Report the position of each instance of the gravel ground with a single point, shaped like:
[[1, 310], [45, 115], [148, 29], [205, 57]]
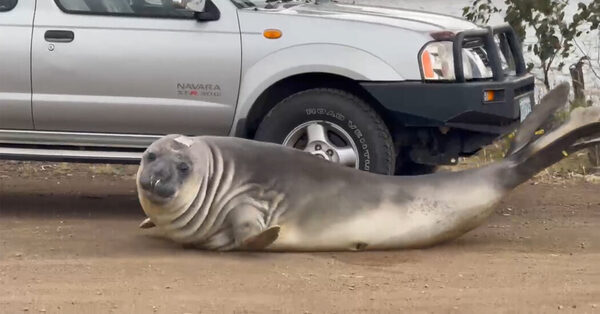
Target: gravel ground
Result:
[[69, 243]]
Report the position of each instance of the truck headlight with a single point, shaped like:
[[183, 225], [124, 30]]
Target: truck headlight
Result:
[[437, 63]]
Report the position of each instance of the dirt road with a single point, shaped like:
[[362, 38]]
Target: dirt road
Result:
[[69, 243]]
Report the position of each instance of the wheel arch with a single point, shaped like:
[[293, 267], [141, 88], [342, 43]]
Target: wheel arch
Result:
[[288, 86], [308, 65]]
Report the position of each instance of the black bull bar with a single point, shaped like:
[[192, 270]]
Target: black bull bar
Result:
[[510, 46]]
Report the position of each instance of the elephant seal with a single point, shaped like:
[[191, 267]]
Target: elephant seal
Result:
[[224, 193]]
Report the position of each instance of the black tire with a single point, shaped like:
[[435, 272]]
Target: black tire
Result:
[[366, 128]]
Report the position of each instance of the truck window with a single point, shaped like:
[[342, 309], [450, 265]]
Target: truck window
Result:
[[139, 8], [7, 5]]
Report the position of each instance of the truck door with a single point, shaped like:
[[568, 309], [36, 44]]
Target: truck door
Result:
[[16, 20], [134, 66]]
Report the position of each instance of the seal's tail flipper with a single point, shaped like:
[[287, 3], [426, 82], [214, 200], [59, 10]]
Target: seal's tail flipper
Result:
[[585, 144], [573, 135], [540, 116]]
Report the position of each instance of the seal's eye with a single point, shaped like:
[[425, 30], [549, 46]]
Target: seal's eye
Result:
[[183, 167], [151, 157]]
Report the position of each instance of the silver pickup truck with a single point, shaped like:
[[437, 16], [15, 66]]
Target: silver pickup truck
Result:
[[383, 90]]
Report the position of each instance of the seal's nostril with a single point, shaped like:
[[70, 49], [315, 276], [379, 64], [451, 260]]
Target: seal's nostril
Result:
[[145, 183], [162, 173]]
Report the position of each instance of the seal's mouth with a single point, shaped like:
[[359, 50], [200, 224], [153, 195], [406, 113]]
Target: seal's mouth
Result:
[[158, 190], [156, 198]]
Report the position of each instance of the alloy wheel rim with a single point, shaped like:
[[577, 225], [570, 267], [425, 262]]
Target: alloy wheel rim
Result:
[[325, 140]]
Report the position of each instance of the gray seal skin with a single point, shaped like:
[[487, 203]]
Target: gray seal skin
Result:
[[224, 193]]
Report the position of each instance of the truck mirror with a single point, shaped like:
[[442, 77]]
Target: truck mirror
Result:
[[195, 5], [209, 12]]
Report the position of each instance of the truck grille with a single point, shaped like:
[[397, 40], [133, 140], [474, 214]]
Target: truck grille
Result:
[[482, 54]]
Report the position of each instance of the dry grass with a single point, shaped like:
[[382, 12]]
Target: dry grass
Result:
[[45, 170]]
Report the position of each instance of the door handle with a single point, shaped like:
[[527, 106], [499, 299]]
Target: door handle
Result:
[[59, 36]]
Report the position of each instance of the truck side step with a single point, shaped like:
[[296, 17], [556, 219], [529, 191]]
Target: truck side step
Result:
[[69, 155]]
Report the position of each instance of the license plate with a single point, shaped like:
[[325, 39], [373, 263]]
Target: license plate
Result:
[[525, 104]]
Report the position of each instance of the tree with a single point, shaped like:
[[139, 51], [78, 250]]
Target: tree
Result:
[[555, 36], [554, 33], [480, 11]]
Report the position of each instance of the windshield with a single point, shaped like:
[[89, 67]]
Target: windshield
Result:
[[266, 4]]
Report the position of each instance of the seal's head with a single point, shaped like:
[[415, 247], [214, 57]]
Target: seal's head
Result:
[[165, 170]]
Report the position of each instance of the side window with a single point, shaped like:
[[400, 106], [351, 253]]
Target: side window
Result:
[[7, 5], [140, 8]]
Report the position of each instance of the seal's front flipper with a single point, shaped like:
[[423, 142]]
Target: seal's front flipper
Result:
[[146, 224], [249, 230], [261, 240]]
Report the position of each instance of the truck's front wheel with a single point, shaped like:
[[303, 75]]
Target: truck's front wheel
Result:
[[334, 125]]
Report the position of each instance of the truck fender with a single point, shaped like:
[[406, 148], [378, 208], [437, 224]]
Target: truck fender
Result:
[[346, 61]]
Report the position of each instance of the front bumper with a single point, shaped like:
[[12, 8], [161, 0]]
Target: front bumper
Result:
[[460, 104], [455, 105]]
